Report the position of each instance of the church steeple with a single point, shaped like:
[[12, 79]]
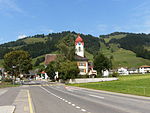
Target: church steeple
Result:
[[79, 46]]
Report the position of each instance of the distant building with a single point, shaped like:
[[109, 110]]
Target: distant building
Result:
[[123, 71], [144, 69], [105, 73], [133, 71]]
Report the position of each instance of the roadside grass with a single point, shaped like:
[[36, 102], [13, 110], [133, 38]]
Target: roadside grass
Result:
[[8, 84], [132, 84]]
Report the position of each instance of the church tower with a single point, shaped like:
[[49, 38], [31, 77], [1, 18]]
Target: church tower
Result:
[[79, 46]]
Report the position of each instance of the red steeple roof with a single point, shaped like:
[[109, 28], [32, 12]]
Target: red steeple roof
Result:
[[79, 39]]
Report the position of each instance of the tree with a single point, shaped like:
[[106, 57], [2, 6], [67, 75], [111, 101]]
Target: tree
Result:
[[68, 70], [17, 62], [66, 47], [51, 69], [102, 63]]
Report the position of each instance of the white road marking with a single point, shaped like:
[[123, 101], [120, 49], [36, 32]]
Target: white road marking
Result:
[[83, 110], [3, 91], [66, 101], [96, 96], [77, 107], [73, 105], [69, 102]]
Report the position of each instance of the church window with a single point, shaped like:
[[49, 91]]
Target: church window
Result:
[[79, 49]]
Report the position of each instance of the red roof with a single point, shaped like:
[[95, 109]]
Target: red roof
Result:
[[43, 72], [145, 66], [79, 39]]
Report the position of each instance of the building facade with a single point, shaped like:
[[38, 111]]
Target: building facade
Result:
[[144, 69]]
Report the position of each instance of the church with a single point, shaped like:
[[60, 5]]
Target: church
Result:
[[84, 66]]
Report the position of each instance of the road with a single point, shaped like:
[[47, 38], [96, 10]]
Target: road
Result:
[[58, 98]]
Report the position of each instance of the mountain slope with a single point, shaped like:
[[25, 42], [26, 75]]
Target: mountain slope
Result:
[[119, 46]]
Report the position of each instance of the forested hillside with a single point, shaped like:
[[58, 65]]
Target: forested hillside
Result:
[[125, 49], [42, 44]]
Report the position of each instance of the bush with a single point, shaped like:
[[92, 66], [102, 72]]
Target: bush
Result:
[[7, 80], [115, 74]]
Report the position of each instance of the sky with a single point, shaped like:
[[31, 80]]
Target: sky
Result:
[[21, 18]]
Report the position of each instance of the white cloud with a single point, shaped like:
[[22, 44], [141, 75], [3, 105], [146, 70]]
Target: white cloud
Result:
[[21, 36]]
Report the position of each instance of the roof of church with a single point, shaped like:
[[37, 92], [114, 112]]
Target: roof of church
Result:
[[79, 39], [79, 58]]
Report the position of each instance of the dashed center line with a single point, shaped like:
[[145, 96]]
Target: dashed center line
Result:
[[77, 107], [83, 110], [73, 105]]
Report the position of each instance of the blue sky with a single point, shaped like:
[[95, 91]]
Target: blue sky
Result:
[[19, 18]]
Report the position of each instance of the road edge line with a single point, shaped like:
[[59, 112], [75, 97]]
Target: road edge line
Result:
[[30, 102]]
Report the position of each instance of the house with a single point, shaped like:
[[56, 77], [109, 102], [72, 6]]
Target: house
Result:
[[82, 63], [133, 71], [144, 69], [123, 71], [105, 73]]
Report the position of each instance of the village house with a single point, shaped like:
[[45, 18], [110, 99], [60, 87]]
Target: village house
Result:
[[123, 71], [133, 71], [144, 69]]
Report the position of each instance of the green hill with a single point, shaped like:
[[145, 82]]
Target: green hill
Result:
[[123, 58], [125, 49]]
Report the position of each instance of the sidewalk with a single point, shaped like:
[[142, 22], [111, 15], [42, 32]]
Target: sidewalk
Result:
[[23, 102], [7, 109]]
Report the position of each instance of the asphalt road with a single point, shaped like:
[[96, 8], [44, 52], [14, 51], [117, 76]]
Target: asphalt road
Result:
[[57, 98]]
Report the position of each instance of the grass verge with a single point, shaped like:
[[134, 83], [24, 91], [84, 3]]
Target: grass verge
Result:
[[133, 84], [7, 84]]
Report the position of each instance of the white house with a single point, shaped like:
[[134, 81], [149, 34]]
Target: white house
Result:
[[105, 73], [123, 71], [144, 69], [133, 71]]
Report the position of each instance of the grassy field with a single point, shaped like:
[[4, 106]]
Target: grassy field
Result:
[[133, 84], [114, 37], [34, 40], [122, 57]]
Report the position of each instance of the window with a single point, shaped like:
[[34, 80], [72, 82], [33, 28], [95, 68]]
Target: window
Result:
[[79, 49], [82, 64], [81, 70]]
